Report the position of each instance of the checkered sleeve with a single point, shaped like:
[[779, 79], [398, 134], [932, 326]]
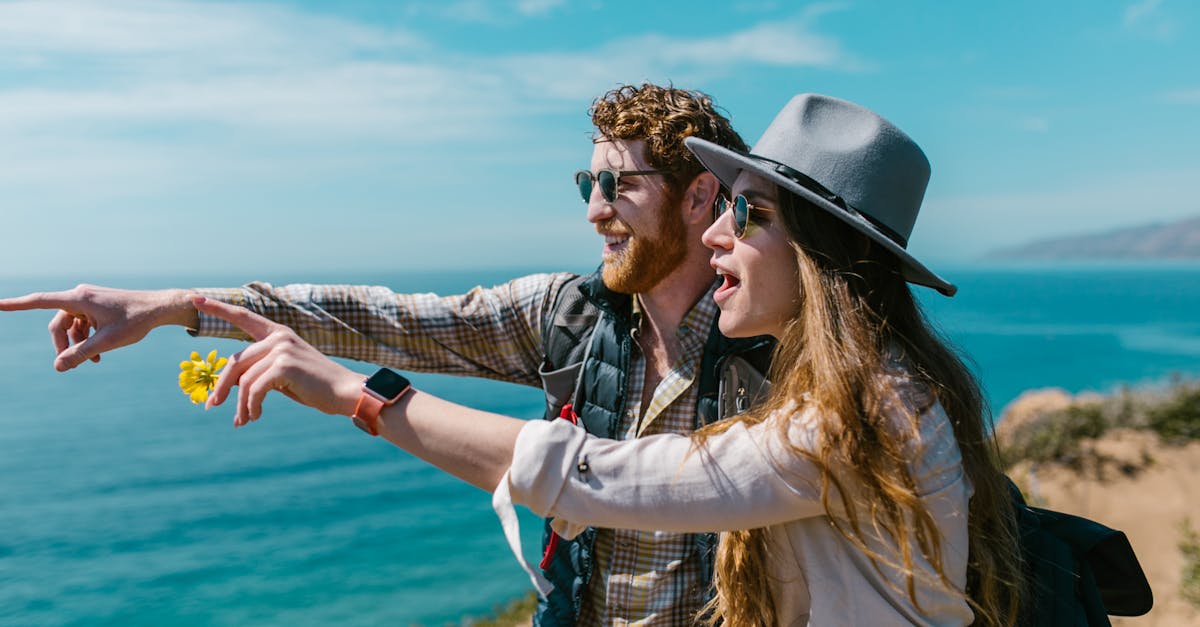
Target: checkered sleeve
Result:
[[493, 332]]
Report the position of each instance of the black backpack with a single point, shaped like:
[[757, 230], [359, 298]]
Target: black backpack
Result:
[[1079, 571]]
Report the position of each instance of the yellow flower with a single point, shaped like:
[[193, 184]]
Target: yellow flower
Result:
[[198, 376]]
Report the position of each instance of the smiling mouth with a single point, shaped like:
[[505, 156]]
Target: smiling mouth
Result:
[[614, 244]]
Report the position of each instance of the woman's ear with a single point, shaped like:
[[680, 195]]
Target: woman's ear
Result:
[[699, 198]]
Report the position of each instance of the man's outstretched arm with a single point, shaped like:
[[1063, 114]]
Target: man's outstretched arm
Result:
[[92, 320], [488, 332], [493, 332]]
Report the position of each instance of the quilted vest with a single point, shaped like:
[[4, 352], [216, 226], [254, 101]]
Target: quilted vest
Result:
[[588, 337]]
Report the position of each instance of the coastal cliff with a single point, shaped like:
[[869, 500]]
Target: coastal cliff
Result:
[[1176, 240]]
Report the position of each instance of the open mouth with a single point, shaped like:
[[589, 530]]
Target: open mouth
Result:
[[729, 284]]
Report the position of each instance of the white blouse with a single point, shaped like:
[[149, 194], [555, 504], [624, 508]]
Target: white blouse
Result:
[[745, 478]]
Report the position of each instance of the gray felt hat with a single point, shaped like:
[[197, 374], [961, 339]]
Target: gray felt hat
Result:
[[845, 159]]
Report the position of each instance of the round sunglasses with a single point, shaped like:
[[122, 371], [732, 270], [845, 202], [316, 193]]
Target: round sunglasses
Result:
[[608, 180], [741, 212]]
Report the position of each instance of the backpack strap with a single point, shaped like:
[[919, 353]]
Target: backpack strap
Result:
[[733, 375], [567, 327]]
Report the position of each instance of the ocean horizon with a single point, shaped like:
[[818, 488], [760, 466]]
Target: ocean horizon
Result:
[[121, 503]]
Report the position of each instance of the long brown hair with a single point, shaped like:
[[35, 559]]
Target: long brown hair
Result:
[[855, 312]]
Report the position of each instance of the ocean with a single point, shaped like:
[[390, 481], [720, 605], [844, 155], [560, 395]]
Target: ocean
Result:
[[121, 503]]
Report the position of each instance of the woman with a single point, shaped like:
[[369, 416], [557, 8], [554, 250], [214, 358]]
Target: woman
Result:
[[864, 491]]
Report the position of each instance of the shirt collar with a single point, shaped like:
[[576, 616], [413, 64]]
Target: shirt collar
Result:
[[696, 322]]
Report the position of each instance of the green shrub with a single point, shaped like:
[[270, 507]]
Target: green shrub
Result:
[[1177, 419], [514, 613], [1189, 546], [1058, 436]]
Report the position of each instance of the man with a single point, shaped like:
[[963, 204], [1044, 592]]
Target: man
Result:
[[634, 348]]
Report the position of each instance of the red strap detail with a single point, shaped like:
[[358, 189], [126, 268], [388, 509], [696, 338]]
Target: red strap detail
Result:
[[567, 413], [551, 547]]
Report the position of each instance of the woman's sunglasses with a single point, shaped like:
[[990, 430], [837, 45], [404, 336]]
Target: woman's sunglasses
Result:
[[741, 212], [608, 180]]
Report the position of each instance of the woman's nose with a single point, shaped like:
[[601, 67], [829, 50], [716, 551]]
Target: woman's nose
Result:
[[719, 235]]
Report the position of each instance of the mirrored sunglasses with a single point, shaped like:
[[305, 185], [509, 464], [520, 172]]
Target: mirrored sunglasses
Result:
[[741, 212], [608, 180]]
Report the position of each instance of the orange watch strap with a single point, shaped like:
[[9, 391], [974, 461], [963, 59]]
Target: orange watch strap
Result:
[[366, 413]]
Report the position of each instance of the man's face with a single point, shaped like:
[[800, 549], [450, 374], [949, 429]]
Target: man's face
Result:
[[643, 229]]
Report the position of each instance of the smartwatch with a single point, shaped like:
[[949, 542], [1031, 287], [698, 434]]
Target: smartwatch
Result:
[[379, 390]]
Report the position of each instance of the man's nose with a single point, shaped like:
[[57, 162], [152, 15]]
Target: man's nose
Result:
[[598, 210]]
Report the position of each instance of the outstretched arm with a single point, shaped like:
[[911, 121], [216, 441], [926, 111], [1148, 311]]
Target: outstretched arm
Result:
[[475, 446], [659, 482], [92, 320], [493, 332], [489, 332]]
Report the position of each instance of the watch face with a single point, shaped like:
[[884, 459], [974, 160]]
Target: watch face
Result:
[[387, 384]]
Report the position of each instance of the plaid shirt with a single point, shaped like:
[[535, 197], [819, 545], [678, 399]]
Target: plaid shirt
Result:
[[495, 333], [652, 577], [640, 577]]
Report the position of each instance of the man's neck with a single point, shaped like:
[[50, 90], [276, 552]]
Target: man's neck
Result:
[[665, 305]]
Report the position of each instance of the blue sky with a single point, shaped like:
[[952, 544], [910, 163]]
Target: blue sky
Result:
[[157, 136]]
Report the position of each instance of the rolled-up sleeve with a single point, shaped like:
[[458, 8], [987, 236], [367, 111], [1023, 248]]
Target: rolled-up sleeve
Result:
[[491, 332]]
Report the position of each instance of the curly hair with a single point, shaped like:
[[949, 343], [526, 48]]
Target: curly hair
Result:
[[662, 117]]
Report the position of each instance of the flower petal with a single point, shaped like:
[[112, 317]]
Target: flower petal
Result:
[[199, 395]]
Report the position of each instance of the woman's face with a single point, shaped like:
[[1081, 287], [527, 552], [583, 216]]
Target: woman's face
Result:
[[760, 292]]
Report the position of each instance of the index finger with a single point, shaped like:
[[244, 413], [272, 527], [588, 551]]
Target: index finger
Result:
[[39, 300], [253, 324]]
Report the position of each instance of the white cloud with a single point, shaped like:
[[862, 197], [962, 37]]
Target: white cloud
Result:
[[1034, 124], [1140, 11], [537, 7], [581, 75], [219, 32], [1182, 96], [491, 12], [128, 119], [1146, 18], [279, 72], [354, 100]]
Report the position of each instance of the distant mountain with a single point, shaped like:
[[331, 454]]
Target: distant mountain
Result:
[[1175, 240]]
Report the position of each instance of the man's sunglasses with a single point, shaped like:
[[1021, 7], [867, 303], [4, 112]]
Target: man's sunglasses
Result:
[[741, 212], [608, 180]]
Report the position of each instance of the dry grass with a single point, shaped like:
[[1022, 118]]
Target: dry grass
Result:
[[514, 614], [1062, 432], [1189, 547]]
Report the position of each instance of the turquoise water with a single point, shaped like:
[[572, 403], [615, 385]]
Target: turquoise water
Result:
[[123, 504]]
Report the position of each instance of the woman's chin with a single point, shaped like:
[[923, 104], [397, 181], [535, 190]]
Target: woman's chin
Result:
[[732, 327]]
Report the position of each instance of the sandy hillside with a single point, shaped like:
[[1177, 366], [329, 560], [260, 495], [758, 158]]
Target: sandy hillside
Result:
[[1129, 480]]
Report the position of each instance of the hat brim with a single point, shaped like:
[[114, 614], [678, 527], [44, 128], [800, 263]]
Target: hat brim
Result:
[[726, 164]]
